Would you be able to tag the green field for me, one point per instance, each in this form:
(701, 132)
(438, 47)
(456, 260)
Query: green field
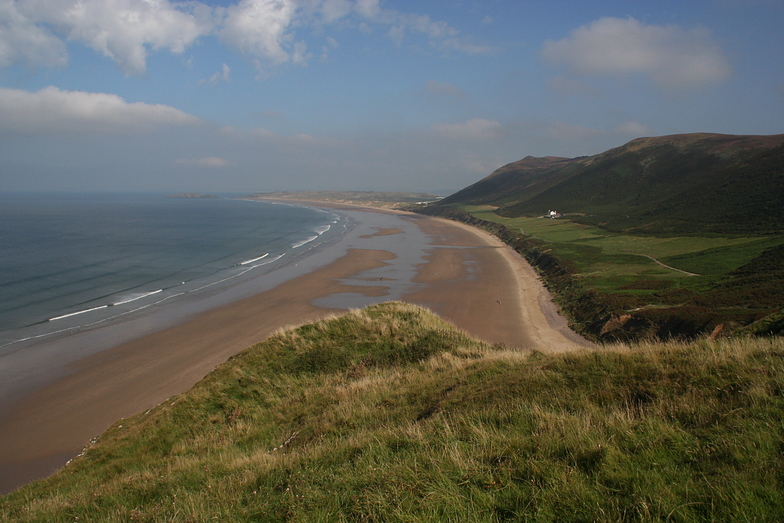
(612, 262)
(391, 415)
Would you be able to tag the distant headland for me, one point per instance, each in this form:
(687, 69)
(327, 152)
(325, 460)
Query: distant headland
(191, 195)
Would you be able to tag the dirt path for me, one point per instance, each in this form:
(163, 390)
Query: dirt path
(687, 273)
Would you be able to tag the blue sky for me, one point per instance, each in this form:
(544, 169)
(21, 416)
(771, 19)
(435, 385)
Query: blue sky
(263, 95)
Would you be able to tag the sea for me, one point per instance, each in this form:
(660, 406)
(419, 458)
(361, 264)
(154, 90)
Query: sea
(69, 261)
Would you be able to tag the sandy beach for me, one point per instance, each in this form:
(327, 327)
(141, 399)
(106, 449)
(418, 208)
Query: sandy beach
(463, 274)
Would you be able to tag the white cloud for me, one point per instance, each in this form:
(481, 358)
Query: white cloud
(300, 54)
(440, 34)
(368, 8)
(124, 30)
(21, 40)
(443, 89)
(325, 49)
(332, 10)
(53, 110)
(421, 24)
(211, 162)
(265, 29)
(222, 75)
(258, 28)
(33, 31)
(673, 57)
(474, 129)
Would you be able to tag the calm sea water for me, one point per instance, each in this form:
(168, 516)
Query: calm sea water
(71, 259)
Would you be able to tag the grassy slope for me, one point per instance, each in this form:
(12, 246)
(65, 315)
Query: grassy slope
(389, 414)
(682, 184)
(521, 180)
(673, 185)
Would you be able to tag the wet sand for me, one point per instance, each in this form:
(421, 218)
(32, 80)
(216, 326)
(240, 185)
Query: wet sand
(467, 276)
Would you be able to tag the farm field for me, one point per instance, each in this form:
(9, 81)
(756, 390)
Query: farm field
(626, 264)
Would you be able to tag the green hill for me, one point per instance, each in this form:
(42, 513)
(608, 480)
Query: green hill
(674, 236)
(517, 181)
(678, 184)
(390, 414)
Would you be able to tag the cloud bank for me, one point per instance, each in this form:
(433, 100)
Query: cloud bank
(53, 110)
(673, 57)
(123, 30)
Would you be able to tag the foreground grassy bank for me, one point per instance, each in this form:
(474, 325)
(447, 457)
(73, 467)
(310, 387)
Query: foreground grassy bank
(390, 414)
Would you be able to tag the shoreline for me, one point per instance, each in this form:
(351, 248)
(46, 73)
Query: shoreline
(31, 362)
(116, 305)
(463, 274)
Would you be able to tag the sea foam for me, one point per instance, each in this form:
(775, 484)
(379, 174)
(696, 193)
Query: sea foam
(246, 262)
(135, 296)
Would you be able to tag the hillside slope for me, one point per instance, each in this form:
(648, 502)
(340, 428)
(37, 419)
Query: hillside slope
(521, 180)
(390, 414)
(675, 184)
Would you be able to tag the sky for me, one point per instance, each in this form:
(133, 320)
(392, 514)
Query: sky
(240, 96)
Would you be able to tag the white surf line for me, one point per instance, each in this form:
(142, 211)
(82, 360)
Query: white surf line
(139, 297)
(303, 242)
(254, 259)
(77, 313)
(223, 280)
(78, 327)
(104, 320)
(271, 261)
(186, 292)
(38, 336)
(115, 316)
(132, 310)
(241, 273)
